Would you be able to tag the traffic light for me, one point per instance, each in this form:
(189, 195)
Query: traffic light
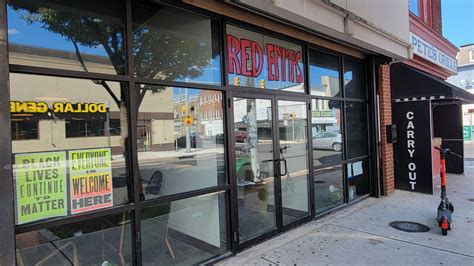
(236, 81)
(262, 84)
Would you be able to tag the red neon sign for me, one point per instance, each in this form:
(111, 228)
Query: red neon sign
(282, 64)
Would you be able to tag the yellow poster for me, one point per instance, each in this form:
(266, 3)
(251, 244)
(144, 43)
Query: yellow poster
(90, 174)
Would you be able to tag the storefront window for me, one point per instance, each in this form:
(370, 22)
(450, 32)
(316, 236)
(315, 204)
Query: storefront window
(355, 80)
(80, 35)
(84, 128)
(171, 44)
(260, 61)
(184, 232)
(56, 175)
(23, 128)
(358, 179)
(326, 131)
(328, 188)
(357, 130)
(324, 74)
(179, 148)
(102, 241)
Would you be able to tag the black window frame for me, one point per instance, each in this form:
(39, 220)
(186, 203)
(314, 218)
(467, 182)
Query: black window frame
(136, 205)
(343, 100)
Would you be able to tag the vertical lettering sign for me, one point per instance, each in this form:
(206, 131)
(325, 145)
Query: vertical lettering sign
(413, 162)
(41, 189)
(257, 60)
(90, 180)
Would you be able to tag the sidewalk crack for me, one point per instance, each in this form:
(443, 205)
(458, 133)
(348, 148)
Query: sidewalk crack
(263, 258)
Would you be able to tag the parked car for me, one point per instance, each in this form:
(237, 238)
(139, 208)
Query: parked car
(196, 141)
(327, 140)
(220, 138)
(240, 136)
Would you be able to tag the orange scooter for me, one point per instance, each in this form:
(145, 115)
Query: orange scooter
(445, 208)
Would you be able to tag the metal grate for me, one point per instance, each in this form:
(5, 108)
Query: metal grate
(410, 227)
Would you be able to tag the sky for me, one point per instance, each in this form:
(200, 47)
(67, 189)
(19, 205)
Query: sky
(458, 21)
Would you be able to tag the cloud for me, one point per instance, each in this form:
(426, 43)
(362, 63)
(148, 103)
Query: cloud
(13, 31)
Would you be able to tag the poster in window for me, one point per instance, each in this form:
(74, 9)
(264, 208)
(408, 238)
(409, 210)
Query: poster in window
(90, 179)
(41, 186)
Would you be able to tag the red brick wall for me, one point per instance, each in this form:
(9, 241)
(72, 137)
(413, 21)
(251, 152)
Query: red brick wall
(388, 176)
(436, 16)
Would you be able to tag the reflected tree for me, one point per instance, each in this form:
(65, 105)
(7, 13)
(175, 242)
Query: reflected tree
(156, 53)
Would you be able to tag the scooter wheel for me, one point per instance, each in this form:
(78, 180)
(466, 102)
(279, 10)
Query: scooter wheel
(444, 232)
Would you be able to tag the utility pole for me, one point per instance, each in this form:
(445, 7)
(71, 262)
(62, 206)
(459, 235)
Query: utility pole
(187, 127)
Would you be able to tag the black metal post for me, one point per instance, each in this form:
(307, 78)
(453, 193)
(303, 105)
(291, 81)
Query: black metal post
(374, 128)
(7, 222)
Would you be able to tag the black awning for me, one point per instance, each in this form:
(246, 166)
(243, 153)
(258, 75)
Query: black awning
(410, 83)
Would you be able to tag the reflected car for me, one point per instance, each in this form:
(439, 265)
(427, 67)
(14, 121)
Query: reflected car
(220, 138)
(328, 140)
(240, 136)
(196, 141)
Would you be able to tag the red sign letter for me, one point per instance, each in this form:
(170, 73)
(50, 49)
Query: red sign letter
(233, 48)
(244, 57)
(256, 51)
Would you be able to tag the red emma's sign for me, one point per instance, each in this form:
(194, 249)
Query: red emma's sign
(281, 63)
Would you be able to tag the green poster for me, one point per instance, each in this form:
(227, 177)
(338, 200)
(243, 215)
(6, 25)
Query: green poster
(41, 189)
(467, 133)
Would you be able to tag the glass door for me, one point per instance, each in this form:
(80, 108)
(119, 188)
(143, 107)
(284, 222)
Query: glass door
(270, 154)
(254, 166)
(293, 159)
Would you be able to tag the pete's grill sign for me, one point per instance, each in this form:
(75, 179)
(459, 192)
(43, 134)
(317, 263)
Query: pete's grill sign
(249, 58)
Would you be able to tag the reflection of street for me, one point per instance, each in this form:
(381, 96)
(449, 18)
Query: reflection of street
(326, 156)
(179, 171)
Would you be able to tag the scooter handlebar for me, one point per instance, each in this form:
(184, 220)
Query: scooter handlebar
(448, 152)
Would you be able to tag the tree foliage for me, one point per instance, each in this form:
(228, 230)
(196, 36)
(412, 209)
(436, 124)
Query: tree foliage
(156, 53)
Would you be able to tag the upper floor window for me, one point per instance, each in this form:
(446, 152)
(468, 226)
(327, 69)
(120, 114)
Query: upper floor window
(471, 55)
(413, 6)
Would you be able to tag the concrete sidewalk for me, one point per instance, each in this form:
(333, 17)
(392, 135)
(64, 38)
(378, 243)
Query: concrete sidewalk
(360, 234)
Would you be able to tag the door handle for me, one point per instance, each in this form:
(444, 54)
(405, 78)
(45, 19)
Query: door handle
(279, 163)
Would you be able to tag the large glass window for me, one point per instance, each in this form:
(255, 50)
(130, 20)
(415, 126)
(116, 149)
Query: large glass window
(324, 74)
(102, 241)
(355, 79)
(357, 131)
(59, 176)
(326, 131)
(260, 61)
(184, 232)
(81, 35)
(179, 149)
(171, 44)
(330, 146)
(328, 188)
